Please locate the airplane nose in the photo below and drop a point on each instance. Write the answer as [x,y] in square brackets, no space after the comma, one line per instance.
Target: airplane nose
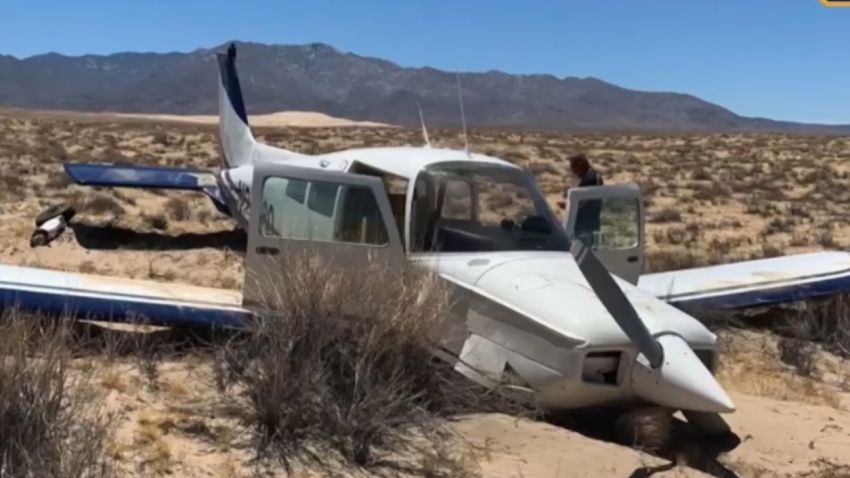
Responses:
[681,382]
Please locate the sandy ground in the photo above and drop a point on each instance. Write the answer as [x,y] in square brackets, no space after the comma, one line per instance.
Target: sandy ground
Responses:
[171,426]
[790,426]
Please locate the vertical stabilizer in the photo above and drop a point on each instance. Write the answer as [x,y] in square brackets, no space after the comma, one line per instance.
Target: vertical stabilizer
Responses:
[237,142]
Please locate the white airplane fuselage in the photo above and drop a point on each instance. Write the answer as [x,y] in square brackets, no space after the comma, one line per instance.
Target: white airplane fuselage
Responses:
[533,312]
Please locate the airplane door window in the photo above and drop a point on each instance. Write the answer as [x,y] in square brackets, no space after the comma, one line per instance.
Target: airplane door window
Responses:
[321,211]
[609,223]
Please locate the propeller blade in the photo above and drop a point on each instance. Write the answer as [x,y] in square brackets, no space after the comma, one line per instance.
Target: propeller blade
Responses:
[615,301]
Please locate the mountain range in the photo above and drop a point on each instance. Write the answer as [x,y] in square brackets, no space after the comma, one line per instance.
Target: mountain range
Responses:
[319,77]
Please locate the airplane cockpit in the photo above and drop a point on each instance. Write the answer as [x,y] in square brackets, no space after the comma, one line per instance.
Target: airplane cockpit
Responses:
[475,207]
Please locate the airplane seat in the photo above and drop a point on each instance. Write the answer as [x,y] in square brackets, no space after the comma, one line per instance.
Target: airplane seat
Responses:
[537,224]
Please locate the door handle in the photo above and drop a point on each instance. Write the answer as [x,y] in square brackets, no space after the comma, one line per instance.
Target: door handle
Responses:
[271,251]
[632,258]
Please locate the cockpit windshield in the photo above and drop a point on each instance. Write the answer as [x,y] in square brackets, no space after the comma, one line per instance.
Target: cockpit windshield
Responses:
[475,207]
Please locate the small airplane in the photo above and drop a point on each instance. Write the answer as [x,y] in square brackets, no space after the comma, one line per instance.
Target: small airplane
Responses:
[539,302]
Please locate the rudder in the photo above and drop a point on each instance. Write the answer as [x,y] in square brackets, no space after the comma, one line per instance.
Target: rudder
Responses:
[237,143]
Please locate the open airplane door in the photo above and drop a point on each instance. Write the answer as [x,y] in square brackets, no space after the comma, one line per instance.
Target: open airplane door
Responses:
[297,212]
[611,220]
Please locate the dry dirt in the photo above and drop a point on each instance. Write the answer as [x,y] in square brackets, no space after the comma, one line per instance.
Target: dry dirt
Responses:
[726,196]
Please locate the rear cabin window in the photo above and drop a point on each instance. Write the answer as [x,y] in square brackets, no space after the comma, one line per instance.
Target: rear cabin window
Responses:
[321,211]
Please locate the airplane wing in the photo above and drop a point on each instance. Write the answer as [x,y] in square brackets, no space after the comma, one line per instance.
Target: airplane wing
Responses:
[114,299]
[149,177]
[756,283]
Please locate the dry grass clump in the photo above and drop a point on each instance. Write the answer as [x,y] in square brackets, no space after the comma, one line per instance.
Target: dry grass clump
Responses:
[825,323]
[668,214]
[341,364]
[102,204]
[178,209]
[50,424]
[786,365]
[762,374]
[677,259]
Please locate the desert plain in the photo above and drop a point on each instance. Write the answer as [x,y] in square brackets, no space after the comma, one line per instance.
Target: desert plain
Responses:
[711,198]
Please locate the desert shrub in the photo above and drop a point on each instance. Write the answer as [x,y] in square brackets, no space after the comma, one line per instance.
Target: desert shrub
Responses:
[723,247]
[701,174]
[103,204]
[676,235]
[671,260]
[340,364]
[711,192]
[826,239]
[11,184]
[160,138]
[799,353]
[156,221]
[799,239]
[769,250]
[825,321]
[178,209]
[668,214]
[57,180]
[799,210]
[779,225]
[50,425]
[677,259]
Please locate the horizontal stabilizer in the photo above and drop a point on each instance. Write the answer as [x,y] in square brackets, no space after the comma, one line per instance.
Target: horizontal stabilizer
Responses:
[140,176]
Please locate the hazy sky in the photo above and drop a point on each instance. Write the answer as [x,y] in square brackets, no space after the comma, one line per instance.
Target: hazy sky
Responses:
[783,59]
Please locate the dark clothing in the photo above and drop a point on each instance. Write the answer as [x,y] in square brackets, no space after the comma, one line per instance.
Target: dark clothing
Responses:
[587,217]
[591,178]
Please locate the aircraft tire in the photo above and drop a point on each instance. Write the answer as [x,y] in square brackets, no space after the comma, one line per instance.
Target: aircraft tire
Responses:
[38,238]
[648,427]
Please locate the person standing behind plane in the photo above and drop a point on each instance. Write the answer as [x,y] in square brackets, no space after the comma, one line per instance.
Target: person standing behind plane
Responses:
[587,217]
[584,171]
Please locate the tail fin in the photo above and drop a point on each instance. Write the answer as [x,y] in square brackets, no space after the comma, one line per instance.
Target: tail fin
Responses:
[238,145]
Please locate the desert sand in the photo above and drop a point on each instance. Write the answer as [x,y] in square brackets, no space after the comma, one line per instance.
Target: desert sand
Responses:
[712,198]
[297,119]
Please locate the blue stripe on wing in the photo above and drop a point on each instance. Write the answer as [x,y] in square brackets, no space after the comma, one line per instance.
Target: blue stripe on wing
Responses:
[766,296]
[139,176]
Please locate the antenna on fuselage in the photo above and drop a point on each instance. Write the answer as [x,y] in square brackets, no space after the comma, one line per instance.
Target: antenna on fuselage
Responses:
[462,115]
[424,129]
